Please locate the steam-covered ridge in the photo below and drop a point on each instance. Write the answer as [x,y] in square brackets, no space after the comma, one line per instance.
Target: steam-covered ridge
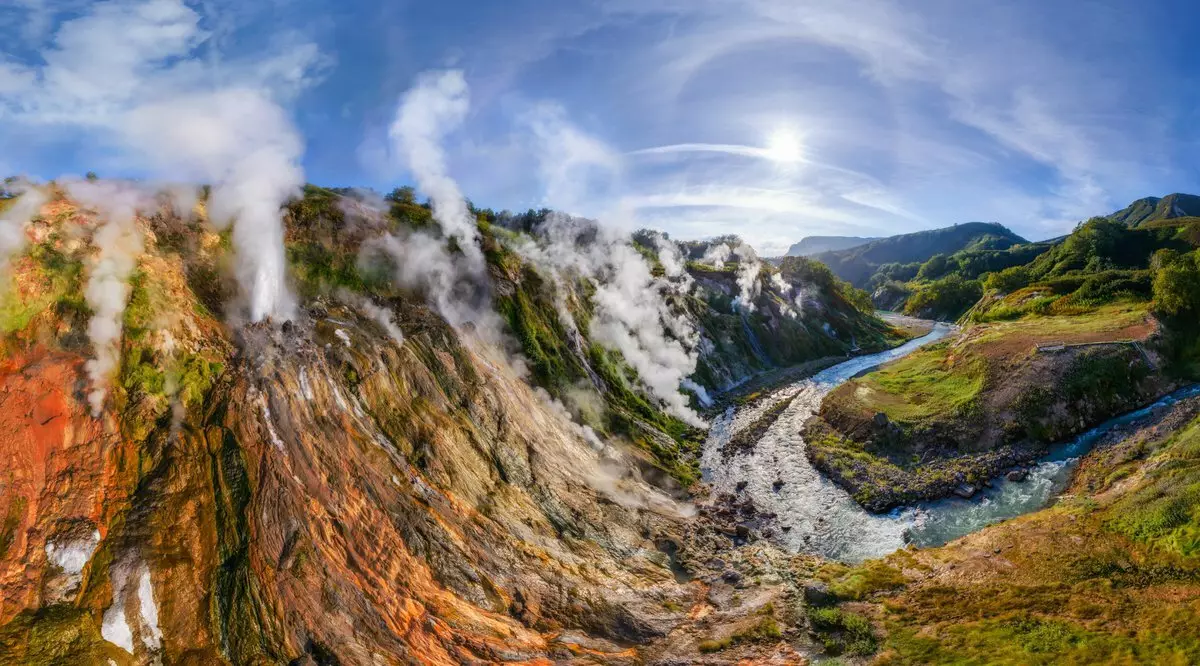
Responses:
[472,442]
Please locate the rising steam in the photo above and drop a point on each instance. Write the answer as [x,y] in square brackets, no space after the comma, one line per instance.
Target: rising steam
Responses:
[450,270]
[433,108]
[632,314]
[118,244]
[243,143]
[747,277]
[16,217]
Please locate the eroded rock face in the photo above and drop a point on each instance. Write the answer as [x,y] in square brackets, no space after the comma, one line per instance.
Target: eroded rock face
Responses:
[336,490]
[380,503]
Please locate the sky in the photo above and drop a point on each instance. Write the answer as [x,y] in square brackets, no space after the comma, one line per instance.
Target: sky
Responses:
[770,119]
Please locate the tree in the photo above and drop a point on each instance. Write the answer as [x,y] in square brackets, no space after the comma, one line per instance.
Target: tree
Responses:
[934,268]
[1009,279]
[1177,287]
[404,194]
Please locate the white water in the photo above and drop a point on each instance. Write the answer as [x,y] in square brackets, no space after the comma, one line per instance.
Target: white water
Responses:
[823,518]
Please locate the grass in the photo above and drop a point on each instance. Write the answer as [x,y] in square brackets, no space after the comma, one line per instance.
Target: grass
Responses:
[928,383]
[859,582]
[764,629]
[1099,580]
[843,632]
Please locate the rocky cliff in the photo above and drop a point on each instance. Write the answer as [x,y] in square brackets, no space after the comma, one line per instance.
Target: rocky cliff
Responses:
[367,483]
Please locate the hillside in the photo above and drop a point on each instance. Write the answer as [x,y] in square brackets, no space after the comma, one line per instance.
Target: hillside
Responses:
[1150,209]
[857,265]
[810,245]
[1107,575]
[947,418]
[424,464]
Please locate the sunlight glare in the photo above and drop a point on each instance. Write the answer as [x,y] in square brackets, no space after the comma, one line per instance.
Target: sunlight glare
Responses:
[783,145]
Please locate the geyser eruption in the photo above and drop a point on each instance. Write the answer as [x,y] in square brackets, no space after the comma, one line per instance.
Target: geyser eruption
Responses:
[244,144]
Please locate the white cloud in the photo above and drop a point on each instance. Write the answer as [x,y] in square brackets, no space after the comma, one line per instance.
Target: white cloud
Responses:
[140,80]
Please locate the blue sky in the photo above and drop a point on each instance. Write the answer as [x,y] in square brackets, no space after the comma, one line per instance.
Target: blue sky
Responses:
[772,119]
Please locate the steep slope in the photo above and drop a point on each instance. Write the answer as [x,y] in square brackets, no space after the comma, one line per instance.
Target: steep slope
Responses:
[1150,209]
[810,245]
[367,484]
[857,265]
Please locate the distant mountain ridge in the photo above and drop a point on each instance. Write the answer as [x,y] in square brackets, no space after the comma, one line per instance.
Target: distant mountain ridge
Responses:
[811,245]
[857,264]
[1150,209]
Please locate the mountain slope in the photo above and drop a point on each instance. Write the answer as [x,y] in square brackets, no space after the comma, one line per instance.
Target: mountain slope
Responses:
[857,265]
[366,483]
[1149,209]
[810,245]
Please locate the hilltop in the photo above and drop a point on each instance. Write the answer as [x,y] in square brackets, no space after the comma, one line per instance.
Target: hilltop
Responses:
[810,245]
[858,265]
[1149,209]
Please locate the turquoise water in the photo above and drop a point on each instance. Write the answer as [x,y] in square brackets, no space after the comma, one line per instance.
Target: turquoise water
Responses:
[821,518]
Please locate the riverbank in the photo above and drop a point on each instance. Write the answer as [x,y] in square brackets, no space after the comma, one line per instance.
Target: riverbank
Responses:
[952,416]
[1109,574]
[809,513]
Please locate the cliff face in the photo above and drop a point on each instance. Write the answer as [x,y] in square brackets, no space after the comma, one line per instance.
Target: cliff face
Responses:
[351,488]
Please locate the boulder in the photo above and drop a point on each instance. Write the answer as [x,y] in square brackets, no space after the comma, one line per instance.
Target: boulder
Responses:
[818,594]
[1016,475]
[965,490]
[880,420]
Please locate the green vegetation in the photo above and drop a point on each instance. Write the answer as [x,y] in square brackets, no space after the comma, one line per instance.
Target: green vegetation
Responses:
[843,632]
[925,385]
[858,265]
[762,630]
[48,281]
[862,581]
[1165,510]
[1101,580]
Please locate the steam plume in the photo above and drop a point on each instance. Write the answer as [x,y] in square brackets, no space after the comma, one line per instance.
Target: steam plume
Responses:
[244,144]
[747,277]
[16,218]
[433,108]
[118,244]
[450,270]
[716,255]
[632,314]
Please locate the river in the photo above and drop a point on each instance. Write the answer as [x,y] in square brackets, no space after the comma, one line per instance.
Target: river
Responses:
[821,518]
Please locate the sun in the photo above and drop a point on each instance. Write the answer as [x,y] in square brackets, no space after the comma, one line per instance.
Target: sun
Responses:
[784,146]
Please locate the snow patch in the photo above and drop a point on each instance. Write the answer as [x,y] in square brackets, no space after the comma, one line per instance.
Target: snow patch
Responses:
[72,555]
[343,336]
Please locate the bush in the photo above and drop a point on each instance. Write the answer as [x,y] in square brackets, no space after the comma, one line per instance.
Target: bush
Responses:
[1177,287]
[947,298]
[1009,279]
[844,632]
